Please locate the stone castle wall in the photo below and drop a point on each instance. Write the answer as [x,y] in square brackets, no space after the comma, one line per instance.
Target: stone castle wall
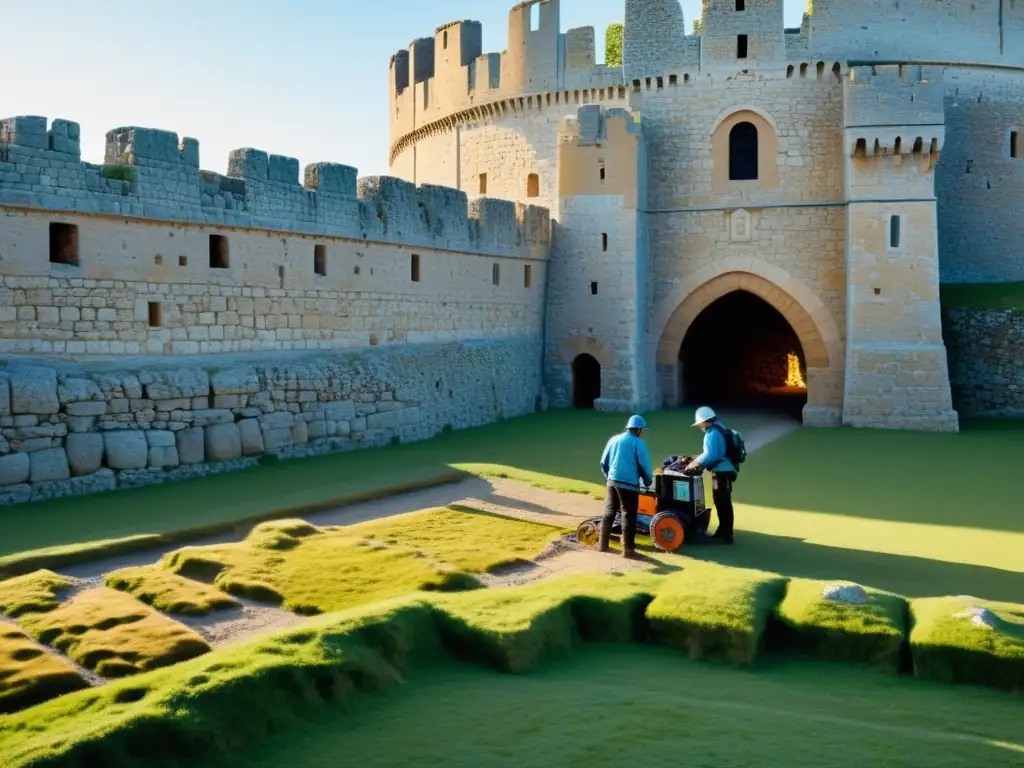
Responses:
[986,367]
[147,254]
[979,67]
[75,428]
[158,321]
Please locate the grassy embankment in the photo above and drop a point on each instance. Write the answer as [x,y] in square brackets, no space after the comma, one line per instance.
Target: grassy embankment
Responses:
[224,705]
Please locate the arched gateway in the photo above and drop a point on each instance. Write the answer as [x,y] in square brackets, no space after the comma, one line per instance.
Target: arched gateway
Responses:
[727,287]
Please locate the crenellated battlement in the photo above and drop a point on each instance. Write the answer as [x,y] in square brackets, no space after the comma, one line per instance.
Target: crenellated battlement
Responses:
[441,75]
[893,110]
[154,174]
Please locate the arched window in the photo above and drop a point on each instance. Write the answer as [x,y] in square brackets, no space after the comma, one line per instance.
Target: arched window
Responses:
[743,152]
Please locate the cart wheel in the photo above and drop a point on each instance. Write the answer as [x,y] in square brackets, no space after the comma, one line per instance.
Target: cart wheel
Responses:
[667,532]
[588,534]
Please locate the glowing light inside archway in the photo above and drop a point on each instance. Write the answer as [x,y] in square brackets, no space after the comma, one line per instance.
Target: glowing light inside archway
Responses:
[794,378]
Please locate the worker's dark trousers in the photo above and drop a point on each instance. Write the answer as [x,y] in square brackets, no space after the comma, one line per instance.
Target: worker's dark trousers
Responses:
[721,493]
[620,500]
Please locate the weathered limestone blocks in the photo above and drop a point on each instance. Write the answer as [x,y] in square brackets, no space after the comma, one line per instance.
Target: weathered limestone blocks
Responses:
[157,176]
[95,430]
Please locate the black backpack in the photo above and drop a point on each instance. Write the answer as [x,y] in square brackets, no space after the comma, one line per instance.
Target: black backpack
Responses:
[735,446]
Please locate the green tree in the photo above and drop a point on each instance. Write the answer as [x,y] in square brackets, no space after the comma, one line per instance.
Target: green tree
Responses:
[698,25]
[613,46]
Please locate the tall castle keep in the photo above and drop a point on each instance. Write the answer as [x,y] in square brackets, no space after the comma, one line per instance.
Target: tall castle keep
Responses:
[799,165]
[752,205]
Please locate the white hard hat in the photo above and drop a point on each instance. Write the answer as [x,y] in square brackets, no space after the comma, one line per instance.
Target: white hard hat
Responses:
[703,414]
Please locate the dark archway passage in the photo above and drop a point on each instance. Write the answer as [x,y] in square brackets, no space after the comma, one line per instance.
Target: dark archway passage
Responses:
[741,353]
[586,381]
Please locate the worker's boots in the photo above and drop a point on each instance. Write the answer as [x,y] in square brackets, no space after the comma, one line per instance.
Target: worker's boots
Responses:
[629,538]
[605,535]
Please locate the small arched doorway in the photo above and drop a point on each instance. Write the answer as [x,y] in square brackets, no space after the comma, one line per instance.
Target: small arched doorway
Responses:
[586,381]
[741,353]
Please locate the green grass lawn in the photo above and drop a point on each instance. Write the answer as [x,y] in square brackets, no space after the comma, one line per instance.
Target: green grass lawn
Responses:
[222,704]
[913,513]
[916,514]
[309,570]
[642,706]
[565,445]
[30,674]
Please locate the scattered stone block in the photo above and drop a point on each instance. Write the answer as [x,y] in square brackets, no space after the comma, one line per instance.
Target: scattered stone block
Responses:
[845,593]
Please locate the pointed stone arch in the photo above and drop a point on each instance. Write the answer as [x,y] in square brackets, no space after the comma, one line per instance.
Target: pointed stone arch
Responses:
[810,319]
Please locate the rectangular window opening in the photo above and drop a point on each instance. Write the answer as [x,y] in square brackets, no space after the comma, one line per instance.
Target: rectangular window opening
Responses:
[320,259]
[741,46]
[1014,145]
[158,260]
[535,17]
[496,274]
[601,173]
[218,252]
[533,185]
[63,243]
[593,288]
[527,276]
[894,231]
[741,5]
[183,261]
[155,315]
[483,183]
[604,241]
[414,267]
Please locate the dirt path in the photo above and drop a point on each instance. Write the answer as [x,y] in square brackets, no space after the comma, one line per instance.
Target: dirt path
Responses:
[496,495]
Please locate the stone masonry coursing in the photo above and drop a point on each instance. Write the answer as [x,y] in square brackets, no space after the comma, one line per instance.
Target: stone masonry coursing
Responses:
[75,428]
[808,235]
[168,259]
[986,366]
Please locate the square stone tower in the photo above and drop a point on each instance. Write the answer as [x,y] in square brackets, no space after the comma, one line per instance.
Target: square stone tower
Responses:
[600,283]
[896,371]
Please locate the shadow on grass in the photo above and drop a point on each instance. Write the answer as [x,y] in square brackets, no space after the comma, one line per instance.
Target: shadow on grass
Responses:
[909,576]
[961,480]
[563,443]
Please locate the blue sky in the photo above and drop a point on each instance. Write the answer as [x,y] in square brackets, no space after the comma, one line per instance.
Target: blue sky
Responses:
[306,78]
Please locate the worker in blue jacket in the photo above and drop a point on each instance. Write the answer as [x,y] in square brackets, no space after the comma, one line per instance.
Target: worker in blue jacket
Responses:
[723,471]
[626,465]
